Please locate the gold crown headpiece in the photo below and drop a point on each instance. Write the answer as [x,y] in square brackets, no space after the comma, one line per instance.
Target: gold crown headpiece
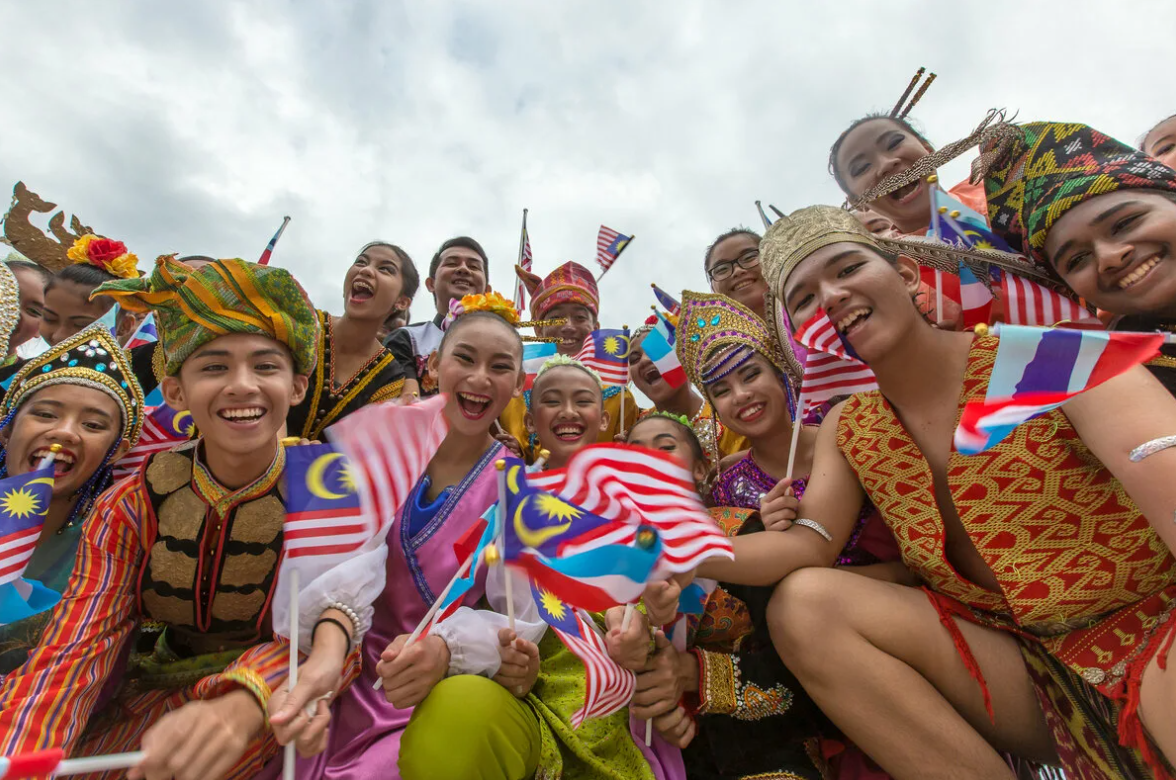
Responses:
[50,251]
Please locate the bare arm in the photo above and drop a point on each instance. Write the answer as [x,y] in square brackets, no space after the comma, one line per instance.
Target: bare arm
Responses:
[1115,418]
[833,498]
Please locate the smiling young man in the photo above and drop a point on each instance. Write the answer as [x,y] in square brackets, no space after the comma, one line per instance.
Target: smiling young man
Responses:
[172,590]
[459,268]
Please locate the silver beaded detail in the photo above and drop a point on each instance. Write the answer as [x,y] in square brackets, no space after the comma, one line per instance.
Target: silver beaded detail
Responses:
[814,525]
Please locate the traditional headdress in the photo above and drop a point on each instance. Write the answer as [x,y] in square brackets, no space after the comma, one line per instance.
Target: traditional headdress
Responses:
[9,306]
[1035,173]
[90,358]
[493,303]
[105,254]
[570,283]
[558,360]
[717,334]
[193,307]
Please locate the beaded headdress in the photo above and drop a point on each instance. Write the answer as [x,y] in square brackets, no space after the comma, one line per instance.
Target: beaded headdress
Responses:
[106,255]
[557,360]
[195,306]
[9,306]
[89,358]
[570,283]
[717,334]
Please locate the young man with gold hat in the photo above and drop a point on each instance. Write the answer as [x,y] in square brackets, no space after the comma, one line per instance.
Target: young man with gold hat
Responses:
[1045,620]
[163,639]
[568,293]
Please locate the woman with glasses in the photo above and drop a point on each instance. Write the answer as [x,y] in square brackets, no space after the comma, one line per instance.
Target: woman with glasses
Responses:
[733,267]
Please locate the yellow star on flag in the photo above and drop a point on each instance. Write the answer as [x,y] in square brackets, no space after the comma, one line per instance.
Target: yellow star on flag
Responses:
[20,503]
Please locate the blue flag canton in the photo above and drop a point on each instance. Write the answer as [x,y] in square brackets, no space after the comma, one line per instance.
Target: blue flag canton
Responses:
[954,223]
[555,612]
[618,244]
[24,500]
[540,521]
[319,482]
[612,346]
[179,424]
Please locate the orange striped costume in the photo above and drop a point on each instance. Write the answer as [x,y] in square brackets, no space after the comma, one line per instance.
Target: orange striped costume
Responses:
[74,691]
[1086,584]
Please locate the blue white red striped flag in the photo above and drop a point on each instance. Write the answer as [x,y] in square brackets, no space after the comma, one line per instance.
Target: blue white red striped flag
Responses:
[1039,369]
[535,354]
[609,245]
[667,301]
[658,346]
[269,248]
[470,547]
[607,353]
[525,260]
[146,333]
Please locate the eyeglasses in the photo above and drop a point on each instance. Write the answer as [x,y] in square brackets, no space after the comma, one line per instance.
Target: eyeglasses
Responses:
[720,271]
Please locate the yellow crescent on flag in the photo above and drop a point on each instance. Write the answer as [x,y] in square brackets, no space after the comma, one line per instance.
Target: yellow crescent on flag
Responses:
[314,476]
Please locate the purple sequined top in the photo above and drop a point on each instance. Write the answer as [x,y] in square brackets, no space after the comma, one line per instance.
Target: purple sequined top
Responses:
[743,484]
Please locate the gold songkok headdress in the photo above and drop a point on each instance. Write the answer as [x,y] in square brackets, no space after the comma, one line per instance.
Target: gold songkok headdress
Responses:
[716,334]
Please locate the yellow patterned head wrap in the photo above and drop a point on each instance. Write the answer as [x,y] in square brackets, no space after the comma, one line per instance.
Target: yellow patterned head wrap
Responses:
[193,307]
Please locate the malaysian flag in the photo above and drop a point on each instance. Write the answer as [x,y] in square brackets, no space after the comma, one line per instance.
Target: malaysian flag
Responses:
[269,248]
[469,550]
[607,353]
[146,333]
[821,334]
[638,487]
[323,515]
[1029,303]
[520,299]
[389,446]
[608,687]
[609,245]
[831,367]
[163,428]
[24,502]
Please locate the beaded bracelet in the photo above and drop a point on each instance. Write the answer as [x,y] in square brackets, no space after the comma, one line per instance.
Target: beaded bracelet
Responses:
[815,526]
[255,684]
[351,614]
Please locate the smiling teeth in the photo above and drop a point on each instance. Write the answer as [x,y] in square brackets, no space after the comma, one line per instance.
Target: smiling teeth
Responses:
[751,410]
[59,457]
[849,319]
[474,399]
[1138,273]
[242,414]
[361,285]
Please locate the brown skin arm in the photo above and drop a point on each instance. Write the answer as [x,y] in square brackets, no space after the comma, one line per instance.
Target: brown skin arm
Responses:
[1118,416]
[833,498]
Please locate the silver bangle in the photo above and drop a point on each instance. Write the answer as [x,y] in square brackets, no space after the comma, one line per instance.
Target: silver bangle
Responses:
[1151,448]
[352,616]
[814,525]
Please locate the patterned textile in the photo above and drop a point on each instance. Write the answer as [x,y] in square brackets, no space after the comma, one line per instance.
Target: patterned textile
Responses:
[570,283]
[52,700]
[89,358]
[193,307]
[1038,171]
[330,398]
[1080,569]
[711,328]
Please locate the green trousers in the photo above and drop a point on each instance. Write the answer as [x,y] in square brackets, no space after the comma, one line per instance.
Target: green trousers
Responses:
[470,728]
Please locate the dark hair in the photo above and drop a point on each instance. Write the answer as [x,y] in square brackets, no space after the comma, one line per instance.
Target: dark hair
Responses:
[735,231]
[836,147]
[85,275]
[474,316]
[29,265]
[579,367]
[408,269]
[1150,130]
[462,241]
[691,436]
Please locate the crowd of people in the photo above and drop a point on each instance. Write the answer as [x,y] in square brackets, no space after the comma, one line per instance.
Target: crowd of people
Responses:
[893,607]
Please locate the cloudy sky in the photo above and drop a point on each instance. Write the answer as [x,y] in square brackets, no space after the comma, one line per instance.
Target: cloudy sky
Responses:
[194,127]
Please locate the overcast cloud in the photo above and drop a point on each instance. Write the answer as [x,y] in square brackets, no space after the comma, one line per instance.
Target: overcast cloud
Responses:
[194,127]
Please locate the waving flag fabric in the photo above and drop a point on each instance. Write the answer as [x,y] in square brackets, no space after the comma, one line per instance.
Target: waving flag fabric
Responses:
[608,687]
[146,333]
[535,354]
[1028,303]
[667,301]
[609,245]
[470,547]
[109,320]
[323,514]
[821,334]
[525,260]
[607,353]
[24,502]
[269,248]
[827,376]
[658,346]
[1038,369]
[42,763]
[954,223]
[163,428]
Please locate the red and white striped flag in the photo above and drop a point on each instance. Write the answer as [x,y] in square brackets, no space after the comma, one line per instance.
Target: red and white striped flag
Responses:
[609,245]
[608,687]
[638,486]
[389,446]
[163,429]
[828,376]
[820,334]
[1028,303]
[520,299]
[607,353]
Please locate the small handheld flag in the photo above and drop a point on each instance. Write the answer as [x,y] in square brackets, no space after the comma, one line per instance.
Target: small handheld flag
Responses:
[146,333]
[269,248]
[163,428]
[667,301]
[607,353]
[658,346]
[535,354]
[525,259]
[609,245]
[24,504]
[820,334]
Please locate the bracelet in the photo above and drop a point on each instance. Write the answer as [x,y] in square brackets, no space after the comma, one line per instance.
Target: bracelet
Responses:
[255,684]
[814,525]
[351,615]
[342,628]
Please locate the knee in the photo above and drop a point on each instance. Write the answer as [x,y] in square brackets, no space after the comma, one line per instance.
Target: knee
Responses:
[801,614]
[469,726]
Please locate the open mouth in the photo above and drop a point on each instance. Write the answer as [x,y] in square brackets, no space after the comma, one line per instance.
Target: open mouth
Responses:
[1136,276]
[472,405]
[362,290]
[854,320]
[751,412]
[63,460]
[906,194]
[568,431]
[462,283]
[243,416]
[651,375]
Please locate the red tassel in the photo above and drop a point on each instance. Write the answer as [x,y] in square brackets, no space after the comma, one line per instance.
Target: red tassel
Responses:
[1131,733]
[945,609]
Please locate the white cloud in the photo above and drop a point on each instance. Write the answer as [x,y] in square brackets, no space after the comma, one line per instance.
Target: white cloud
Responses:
[196,127]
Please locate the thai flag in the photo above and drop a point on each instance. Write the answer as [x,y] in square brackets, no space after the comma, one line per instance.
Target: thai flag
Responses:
[163,428]
[42,763]
[607,353]
[535,354]
[609,245]
[269,248]
[820,334]
[146,333]
[667,301]
[608,687]
[1037,370]
[658,346]
[1029,303]
[637,487]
